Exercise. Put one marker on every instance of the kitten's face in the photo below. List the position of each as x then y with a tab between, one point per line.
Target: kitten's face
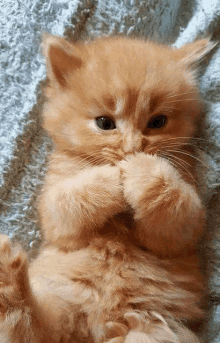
118	96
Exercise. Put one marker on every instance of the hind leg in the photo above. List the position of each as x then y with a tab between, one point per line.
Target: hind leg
22	317
16	315
148	328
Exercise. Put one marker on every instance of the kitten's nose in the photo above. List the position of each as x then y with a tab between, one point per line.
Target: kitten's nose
132	142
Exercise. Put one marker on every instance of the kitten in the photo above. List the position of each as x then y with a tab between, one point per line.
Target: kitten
120	210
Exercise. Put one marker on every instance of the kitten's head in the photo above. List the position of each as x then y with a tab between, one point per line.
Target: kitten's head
115	96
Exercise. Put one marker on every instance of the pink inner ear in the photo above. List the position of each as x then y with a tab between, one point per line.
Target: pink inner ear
62	63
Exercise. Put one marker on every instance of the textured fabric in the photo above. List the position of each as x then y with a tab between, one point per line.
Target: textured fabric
23	144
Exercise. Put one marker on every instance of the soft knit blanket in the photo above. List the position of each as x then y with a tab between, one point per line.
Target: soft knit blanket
23	144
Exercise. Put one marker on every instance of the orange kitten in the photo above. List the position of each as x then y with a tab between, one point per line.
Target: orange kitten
120	210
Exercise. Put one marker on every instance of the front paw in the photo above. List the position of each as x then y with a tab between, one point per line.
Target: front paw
14	285
168	213
142	172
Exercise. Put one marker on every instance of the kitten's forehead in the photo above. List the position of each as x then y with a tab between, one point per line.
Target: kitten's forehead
126	78
127	104
131	80
131	102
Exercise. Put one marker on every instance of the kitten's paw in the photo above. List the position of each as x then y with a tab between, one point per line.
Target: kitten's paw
115	332
148	328
166	208
13	275
142	328
151	327
142	172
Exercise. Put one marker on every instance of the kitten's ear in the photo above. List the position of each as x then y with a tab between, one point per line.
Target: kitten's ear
62	58
192	54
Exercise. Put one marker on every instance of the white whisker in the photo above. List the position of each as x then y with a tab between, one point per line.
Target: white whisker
181	164
185	153
167	157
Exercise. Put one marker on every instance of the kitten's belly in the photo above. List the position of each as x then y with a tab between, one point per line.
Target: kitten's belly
108	278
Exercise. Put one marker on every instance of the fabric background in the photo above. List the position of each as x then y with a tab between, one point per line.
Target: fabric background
24	146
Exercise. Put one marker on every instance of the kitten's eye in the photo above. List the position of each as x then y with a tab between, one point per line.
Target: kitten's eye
157	122
105	123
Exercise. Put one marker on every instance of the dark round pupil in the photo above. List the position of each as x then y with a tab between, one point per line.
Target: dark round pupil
157	122
105	123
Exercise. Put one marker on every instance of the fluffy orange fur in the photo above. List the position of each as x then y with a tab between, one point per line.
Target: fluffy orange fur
120	210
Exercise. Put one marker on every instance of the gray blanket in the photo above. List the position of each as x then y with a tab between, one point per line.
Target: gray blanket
23	144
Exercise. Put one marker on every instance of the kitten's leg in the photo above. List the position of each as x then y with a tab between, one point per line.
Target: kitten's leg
73	209
22	318
149	328
168	212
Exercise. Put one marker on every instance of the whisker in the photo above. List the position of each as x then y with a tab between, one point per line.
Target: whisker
88	160
182	165
185	153
182	137
94	159
54	159
179	145
179	142
178	158
109	159
112	152
171	162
